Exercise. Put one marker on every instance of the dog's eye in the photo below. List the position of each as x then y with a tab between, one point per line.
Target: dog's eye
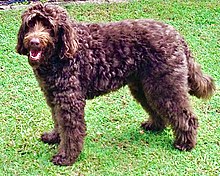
31	23
52	34
46	23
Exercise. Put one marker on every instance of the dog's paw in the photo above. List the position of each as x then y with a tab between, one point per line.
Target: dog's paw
62	160
184	146
185	141
50	138
149	126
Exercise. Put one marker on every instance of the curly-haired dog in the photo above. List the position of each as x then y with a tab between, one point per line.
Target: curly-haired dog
75	61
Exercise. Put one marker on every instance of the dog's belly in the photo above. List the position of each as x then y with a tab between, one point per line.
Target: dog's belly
101	86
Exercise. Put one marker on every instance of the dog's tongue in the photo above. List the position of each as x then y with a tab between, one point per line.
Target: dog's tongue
35	55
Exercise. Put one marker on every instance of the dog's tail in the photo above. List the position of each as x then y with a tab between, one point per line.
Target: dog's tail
201	86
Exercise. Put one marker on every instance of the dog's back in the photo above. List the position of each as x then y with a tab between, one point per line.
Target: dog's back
119	49
128	49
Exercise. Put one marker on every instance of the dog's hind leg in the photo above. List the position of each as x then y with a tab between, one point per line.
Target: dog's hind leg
154	122
168	94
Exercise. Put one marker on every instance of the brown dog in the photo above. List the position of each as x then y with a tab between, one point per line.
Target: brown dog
74	62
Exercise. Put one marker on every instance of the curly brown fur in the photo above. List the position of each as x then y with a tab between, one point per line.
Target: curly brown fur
75	61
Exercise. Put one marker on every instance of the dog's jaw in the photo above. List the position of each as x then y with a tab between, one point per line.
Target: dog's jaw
35	55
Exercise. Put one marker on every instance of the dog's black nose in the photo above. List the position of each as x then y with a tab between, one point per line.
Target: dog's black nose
34	42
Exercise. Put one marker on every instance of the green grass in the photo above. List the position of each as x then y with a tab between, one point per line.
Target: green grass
115	143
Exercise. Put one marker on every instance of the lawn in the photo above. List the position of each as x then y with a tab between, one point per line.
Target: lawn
115	144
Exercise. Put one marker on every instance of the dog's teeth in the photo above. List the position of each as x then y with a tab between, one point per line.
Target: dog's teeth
35	55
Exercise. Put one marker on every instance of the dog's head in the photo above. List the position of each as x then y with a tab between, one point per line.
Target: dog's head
46	30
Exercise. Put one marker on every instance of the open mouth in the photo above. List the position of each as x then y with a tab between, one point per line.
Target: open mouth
35	55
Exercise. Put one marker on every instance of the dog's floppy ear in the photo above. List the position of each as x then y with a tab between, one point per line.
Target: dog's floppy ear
20	45
68	37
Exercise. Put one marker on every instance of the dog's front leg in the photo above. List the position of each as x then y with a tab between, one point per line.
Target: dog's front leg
70	118
53	136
